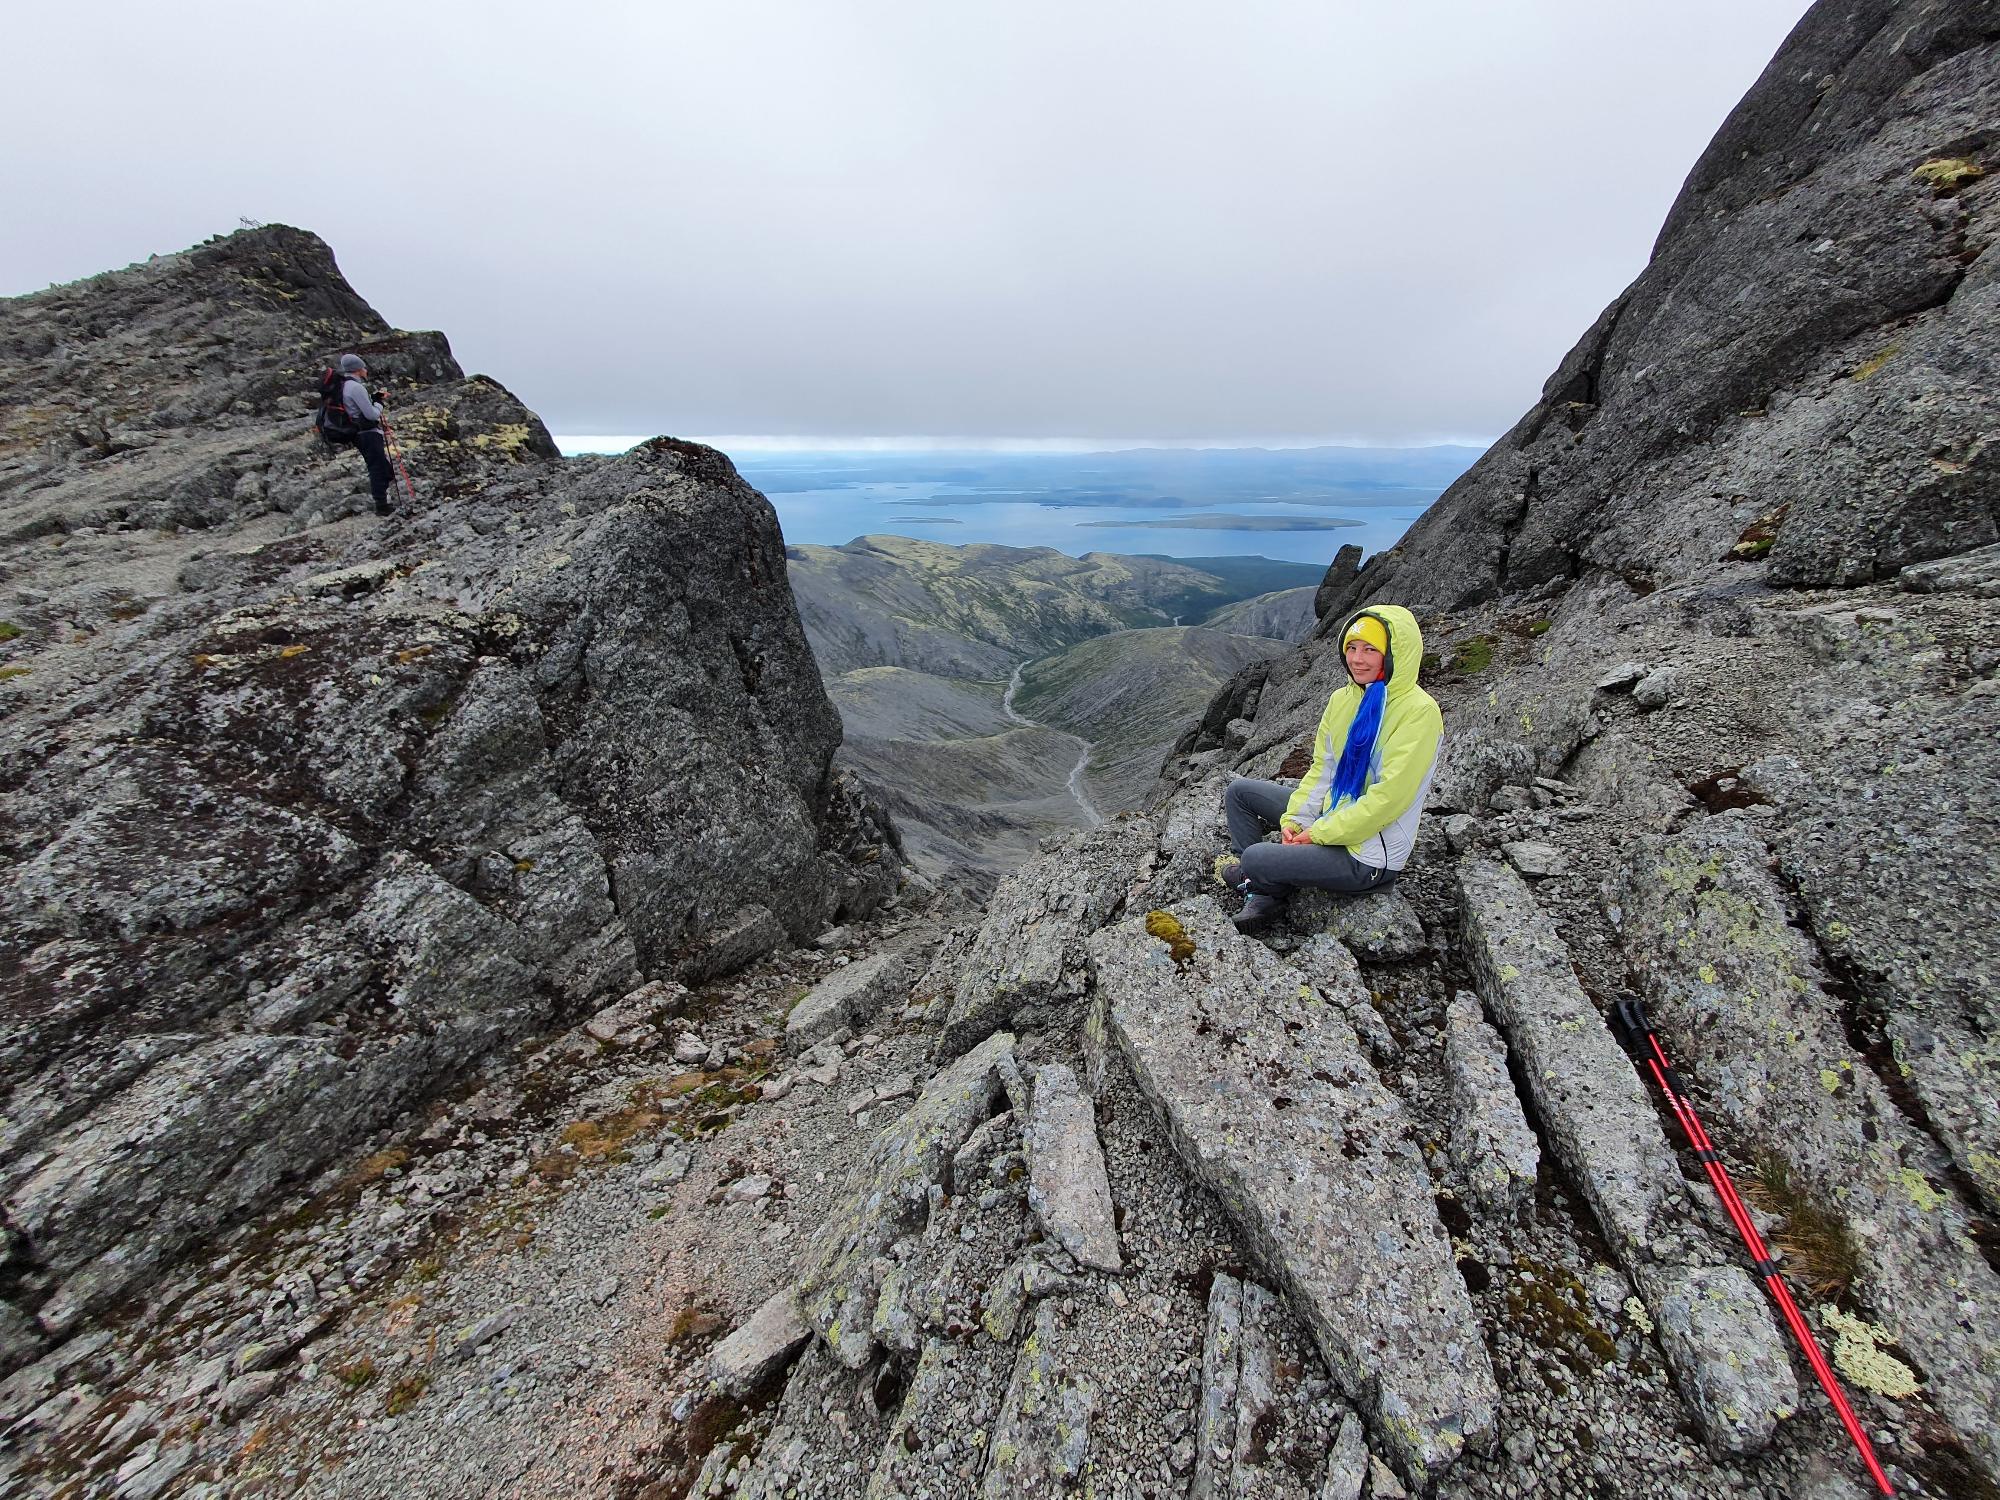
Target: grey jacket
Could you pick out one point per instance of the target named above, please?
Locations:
(354, 396)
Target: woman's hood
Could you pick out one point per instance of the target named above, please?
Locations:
(1406, 643)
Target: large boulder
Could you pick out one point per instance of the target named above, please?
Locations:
(307, 817)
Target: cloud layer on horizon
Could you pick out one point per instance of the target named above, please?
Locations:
(1284, 220)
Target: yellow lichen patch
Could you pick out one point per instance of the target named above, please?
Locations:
(1947, 174)
(1856, 1355)
(511, 438)
(404, 658)
(297, 648)
(1165, 926)
(1873, 363)
(1637, 1316)
(1918, 1186)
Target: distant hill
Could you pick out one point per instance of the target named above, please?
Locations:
(1284, 616)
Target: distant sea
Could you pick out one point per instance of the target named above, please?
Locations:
(1289, 504)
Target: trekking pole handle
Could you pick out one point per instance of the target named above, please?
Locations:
(1634, 1027)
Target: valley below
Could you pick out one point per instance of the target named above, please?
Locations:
(996, 695)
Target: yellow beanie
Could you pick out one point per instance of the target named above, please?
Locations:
(1368, 629)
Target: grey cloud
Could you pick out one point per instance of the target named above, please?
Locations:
(1170, 219)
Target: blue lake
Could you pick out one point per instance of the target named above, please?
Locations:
(1311, 502)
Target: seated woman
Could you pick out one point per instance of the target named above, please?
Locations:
(1352, 821)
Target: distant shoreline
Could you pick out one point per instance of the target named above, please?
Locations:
(1233, 523)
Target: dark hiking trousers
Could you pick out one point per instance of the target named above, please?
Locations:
(1253, 809)
(380, 476)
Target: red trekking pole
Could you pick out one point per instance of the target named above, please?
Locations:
(389, 437)
(1636, 1032)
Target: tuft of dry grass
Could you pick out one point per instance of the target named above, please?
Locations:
(1819, 1254)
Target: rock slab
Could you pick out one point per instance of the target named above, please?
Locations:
(1269, 1099)
(851, 997)
(1493, 1152)
(1714, 1326)
(1068, 1188)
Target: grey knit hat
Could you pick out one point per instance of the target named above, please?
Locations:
(352, 364)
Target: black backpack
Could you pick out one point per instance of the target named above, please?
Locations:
(335, 426)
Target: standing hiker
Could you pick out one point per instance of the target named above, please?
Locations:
(362, 427)
(1350, 824)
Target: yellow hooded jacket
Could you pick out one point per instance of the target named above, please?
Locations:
(1380, 826)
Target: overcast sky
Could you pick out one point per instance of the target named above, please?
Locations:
(1084, 219)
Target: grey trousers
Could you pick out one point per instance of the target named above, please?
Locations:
(1253, 809)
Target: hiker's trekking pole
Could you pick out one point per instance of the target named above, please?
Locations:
(389, 437)
(1629, 1020)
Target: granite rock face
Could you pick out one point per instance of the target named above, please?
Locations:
(1028, 962)
(305, 816)
(1270, 1101)
(1800, 369)
(1741, 996)
(1715, 1327)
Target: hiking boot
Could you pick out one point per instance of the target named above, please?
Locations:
(383, 508)
(1257, 913)
(1229, 872)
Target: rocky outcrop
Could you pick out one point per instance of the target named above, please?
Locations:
(306, 818)
(1735, 566)
(1271, 1102)
(1795, 385)
(1743, 998)
(1715, 1326)
(842, 1293)
(1028, 964)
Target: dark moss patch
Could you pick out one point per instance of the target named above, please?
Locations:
(1548, 1305)
(1473, 655)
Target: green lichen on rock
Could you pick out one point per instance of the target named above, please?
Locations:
(1857, 1355)
(1918, 1186)
(1874, 363)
